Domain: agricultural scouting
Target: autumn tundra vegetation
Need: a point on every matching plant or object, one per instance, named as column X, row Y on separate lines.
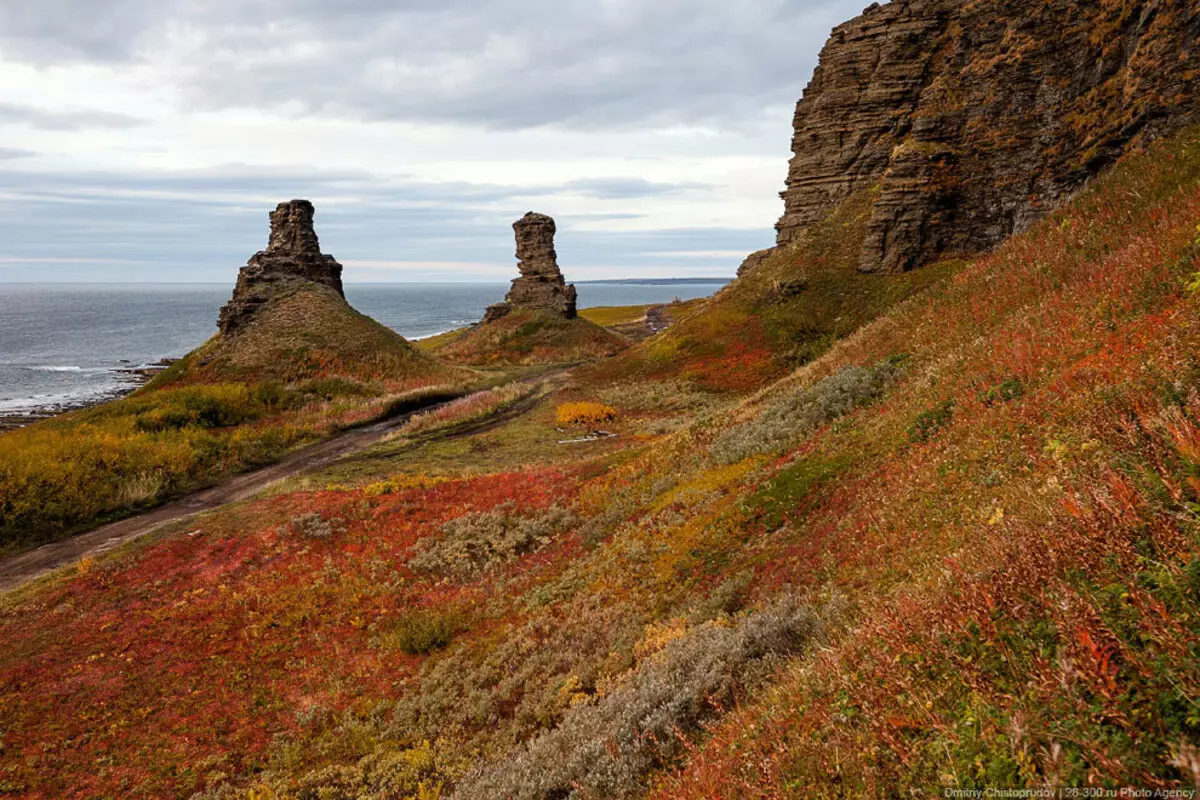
column 858, row 533
column 956, row 547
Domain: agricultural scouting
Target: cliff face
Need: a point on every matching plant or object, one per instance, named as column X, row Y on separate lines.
column 293, row 253
column 966, row 120
column 541, row 286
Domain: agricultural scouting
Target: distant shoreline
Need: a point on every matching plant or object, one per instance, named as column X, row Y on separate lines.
column 136, row 378
column 660, row 281
column 223, row 285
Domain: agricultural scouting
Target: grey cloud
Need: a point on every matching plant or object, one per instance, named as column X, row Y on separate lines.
column 203, row 225
column 63, row 120
column 11, row 153
column 505, row 64
column 624, row 188
column 54, row 30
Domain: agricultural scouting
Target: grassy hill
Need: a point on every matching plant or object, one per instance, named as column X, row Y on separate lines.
column 525, row 337
column 955, row 547
column 309, row 332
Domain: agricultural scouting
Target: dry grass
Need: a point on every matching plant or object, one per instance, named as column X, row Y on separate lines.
column 527, row 338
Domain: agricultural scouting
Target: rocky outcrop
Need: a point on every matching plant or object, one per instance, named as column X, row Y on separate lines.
column 541, row 286
column 293, row 254
column 966, row 120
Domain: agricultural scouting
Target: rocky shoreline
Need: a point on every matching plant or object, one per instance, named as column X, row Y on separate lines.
column 135, row 377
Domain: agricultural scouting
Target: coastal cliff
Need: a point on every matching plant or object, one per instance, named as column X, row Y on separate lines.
column 964, row 122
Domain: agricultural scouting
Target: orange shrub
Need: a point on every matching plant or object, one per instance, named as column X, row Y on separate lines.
column 586, row 414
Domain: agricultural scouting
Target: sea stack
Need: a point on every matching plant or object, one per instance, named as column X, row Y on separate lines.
column 293, row 255
column 540, row 286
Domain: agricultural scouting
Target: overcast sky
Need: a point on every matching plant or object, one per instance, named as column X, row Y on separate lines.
column 147, row 139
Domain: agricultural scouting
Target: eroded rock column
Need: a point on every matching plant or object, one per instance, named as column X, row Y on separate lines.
column 541, row 286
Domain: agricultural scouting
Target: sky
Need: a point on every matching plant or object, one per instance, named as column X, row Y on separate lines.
column 146, row 140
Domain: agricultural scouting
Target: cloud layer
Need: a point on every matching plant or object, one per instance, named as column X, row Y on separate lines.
column 140, row 131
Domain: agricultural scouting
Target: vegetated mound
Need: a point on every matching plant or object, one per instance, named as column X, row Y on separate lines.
column 309, row 331
column 526, row 337
column 288, row 320
column 537, row 322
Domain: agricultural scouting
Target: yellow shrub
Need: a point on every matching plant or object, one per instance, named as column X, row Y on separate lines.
column 585, row 414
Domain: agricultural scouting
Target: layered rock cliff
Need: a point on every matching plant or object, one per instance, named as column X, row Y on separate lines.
column 966, row 120
column 293, row 254
column 541, row 286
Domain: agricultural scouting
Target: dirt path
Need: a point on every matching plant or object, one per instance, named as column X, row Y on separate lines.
column 20, row 569
column 657, row 320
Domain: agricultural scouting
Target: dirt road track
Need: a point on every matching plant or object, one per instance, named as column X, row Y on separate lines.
column 24, row 567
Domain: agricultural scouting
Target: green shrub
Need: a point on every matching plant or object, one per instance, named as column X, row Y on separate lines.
column 332, row 388
column 215, row 406
column 273, row 395
column 791, row 486
column 531, row 327
column 1191, row 578
column 928, row 423
column 423, row 631
column 1009, row 390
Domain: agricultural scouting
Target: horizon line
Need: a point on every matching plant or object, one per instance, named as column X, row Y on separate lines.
column 694, row 278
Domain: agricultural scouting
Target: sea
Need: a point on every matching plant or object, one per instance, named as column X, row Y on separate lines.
column 67, row 345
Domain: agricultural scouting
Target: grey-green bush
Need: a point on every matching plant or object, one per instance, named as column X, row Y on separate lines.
column 792, row 416
column 606, row 750
column 314, row 526
column 478, row 541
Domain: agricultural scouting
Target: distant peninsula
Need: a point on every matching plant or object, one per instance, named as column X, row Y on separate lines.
column 661, row 281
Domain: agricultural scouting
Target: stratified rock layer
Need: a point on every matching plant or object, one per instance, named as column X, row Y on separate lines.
column 293, row 254
column 541, row 286
column 969, row 119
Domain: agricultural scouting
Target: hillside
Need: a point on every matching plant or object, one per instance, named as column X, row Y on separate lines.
column 292, row 363
column 886, row 517
column 537, row 324
column 931, row 131
column 309, row 331
column 980, row 506
column 523, row 338
column 787, row 306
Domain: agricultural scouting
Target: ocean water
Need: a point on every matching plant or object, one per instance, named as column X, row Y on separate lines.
column 66, row 344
